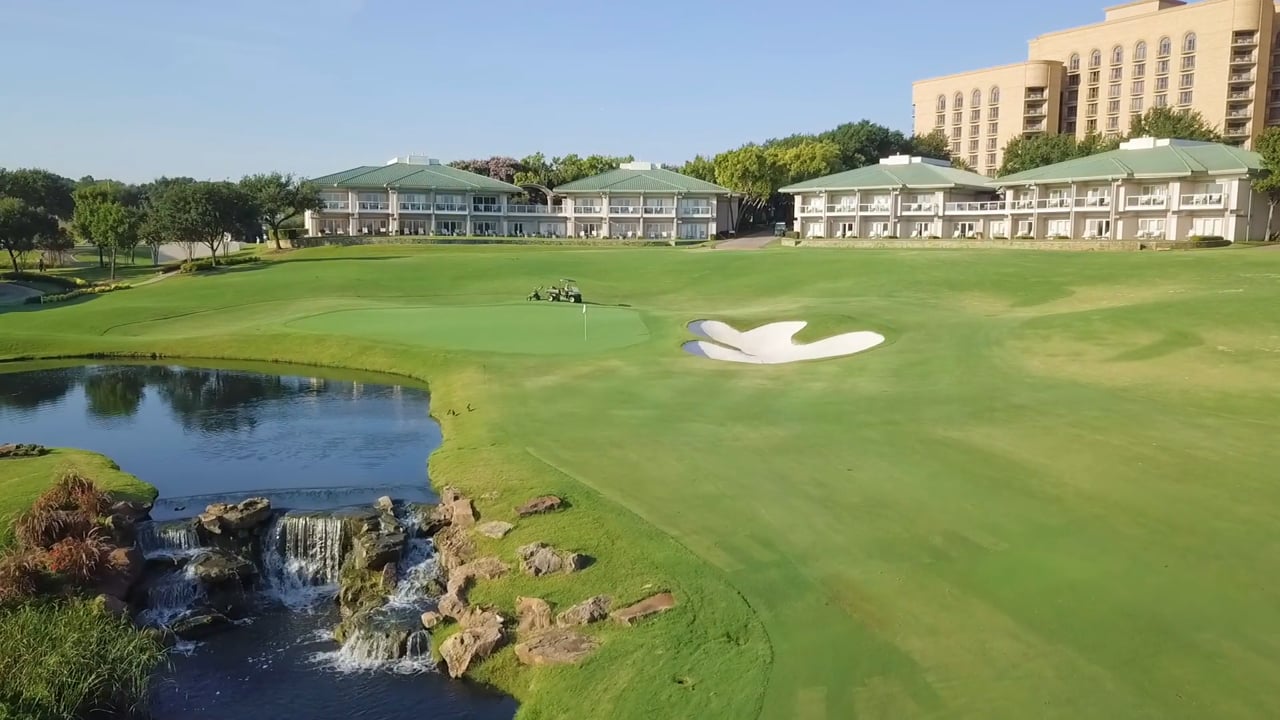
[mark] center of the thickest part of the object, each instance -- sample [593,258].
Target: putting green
[527,328]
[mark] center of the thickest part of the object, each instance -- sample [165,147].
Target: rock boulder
[486,568]
[471,644]
[534,614]
[462,513]
[541,559]
[220,518]
[431,618]
[213,568]
[649,606]
[556,647]
[495,529]
[538,505]
[585,612]
[454,547]
[200,623]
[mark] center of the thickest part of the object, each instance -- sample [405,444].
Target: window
[1091,109]
[1073,65]
[991,144]
[993,128]
[973,130]
[973,146]
[1162,84]
[993,114]
[942,103]
[1189,62]
[1140,70]
[955,147]
[976,100]
[1026,228]
[1115,74]
[1187,80]
[1161,101]
[1113,107]
[1117,55]
[957,117]
[335,200]
[485,203]
[1210,227]
[1097,228]
[1140,51]
[1059,228]
[1162,67]
[1113,123]
[1091,126]
[975,115]
[941,120]
[1070,128]
[991,160]
[973,161]
[958,101]
[1138,88]
[1165,47]
[1073,81]
[1094,77]
[994,96]
[964,229]
[1151,227]
[1095,58]
[1073,96]
[1189,43]
[1093,93]
[1114,90]
[1184,97]
[1135,105]
[334,226]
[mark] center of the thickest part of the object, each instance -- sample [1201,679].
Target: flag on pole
[584,309]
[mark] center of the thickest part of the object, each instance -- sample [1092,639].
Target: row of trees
[42,211]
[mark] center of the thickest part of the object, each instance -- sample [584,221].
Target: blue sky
[137,88]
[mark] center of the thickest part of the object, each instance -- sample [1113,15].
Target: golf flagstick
[584,322]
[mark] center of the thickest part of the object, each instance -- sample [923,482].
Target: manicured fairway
[1053,493]
[533,328]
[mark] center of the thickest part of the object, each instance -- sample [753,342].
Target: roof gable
[1171,159]
[414,176]
[883,176]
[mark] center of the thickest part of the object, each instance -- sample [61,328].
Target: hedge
[1208,241]
[204,264]
[78,292]
[63,281]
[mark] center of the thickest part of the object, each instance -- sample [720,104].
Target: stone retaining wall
[1078,245]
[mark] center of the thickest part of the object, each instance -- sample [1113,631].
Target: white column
[393,206]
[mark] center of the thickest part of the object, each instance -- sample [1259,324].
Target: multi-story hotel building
[1220,58]
[421,196]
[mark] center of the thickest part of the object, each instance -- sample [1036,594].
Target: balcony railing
[874,208]
[1096,202]
[366,205]
[1244,41]
[485,208]
[1242,96]
[528,210]
[1240,77]
[1202,200]
[845,209]
[810,209]
[624,210]
[1033,127]
[659,210]
[451,207]
[415,207]
[1035,95]
[337,205]
[1035,111]
[1243,59]
[975,207]
[586,209]
[1236,131]
[696,210]
[917,207]
[1146,202]
[1024,205]
[1241,113]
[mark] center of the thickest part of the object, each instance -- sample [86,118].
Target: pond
[305,440]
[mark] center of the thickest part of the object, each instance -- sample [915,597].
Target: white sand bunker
[772,344]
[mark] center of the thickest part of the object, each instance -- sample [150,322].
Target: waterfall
[169,597]
[418,573]
[385,641]
[168,539]
[302,557]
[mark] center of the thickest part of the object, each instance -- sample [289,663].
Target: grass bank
[1049,494]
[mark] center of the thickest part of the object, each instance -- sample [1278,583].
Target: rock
[200,623]
[220,518]
[649,606]
[495,529]
[377,550]
[385,504]
[130,510]
[534,614]
[449,494]
[17,450]
[476,617]
[541,559]
[539,505]
[452,605]
[462,513]
[163,636]
[431,618]
[556,647]
[454,547]
[124,570]
[112,605]
[487,568]
[217,567]
[585,612]
[470,645]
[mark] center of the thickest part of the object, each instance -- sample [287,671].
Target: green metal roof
[914,175]
[413,176]
[1169,159]
[656,180]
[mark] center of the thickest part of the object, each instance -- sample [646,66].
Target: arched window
[1117,55]
[977,99]
[942,103]
[1095,58]
[1073,65]
[1189,43]
[1140,51]
[994,98]
[959,101]
[1166,47]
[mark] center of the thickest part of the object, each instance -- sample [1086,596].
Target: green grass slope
[1050,494]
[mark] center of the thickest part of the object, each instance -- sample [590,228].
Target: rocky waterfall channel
[213,573]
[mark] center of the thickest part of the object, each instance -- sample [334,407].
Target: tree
[803,160]
[497,167]
[20,226]
[960,163]
[1029,152]
[1179,124]
[40,189]
[700,167]
[31,203]
[749,170]
[279,198]
[1268,146]
[864,142]
[202,213]
[102,218]
[934,145]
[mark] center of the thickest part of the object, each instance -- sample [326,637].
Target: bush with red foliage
[78,559]
[20,577]
[74,492]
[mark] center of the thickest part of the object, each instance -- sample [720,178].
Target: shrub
[70,659]
[78,559]
[20,577]
[72,295]
[204,264]
[42,528]
[1208,241]
[75,492]
[63,281]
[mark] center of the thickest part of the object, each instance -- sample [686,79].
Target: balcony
[485,208]
[624,210]
[1096,202]
[659,210]
[1240,78]
[1202,200]
[809,210]
[1035,110]
[696,210]
[586,209]
[1035,95]
[337,205]
[1244,95]
[917,208]
[528,210]
[1023,205]
[415,207]
[1033,127]
[842,209]
[1236,131]
[1246,59]
[1146,202]
[1244,41]
[975,207]
[1243,113]
[873,209]
[451,207]
[1054,203]
[366,205]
